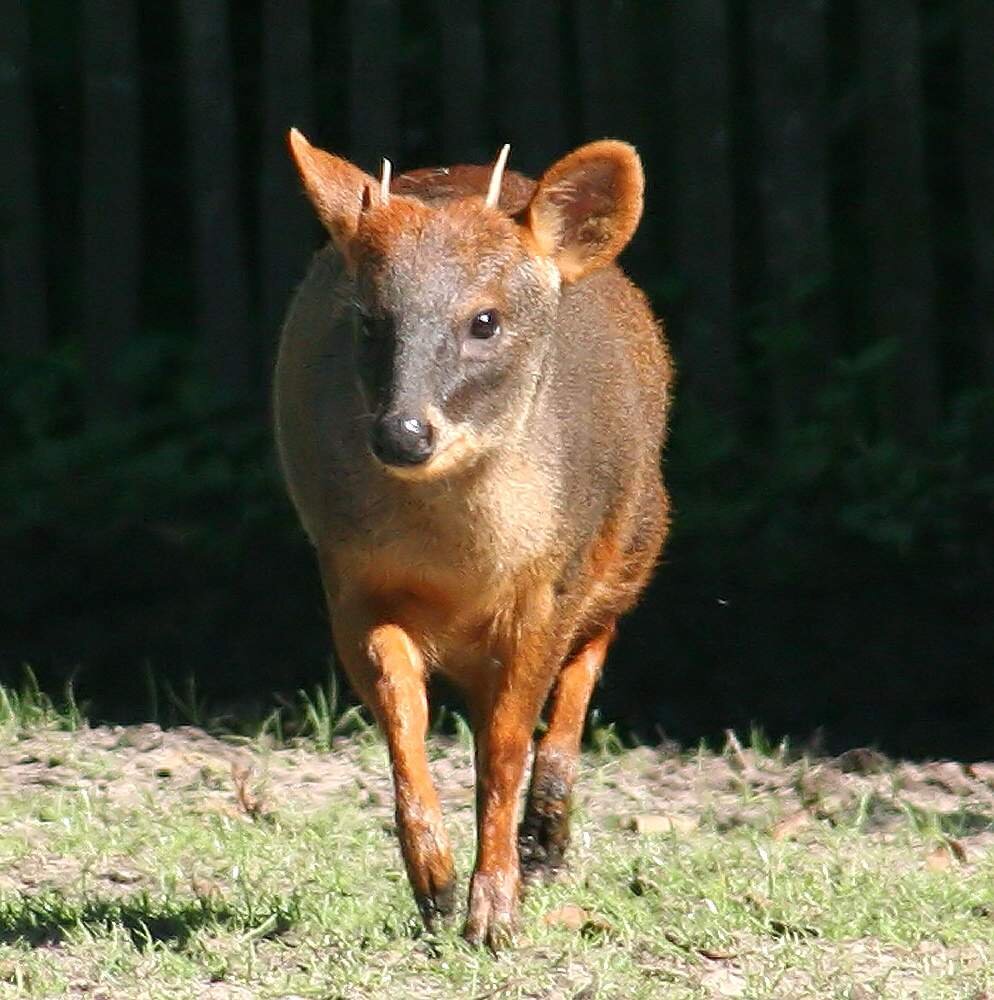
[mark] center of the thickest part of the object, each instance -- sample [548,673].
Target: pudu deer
[470,402]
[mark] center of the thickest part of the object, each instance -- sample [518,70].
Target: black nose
[399,439]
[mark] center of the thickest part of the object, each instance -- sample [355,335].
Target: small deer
[470,407]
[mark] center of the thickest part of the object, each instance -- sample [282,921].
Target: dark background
[819,235]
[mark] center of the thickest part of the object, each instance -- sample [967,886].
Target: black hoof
[437,908]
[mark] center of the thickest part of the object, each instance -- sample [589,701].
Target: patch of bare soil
[741,787]
[645,788]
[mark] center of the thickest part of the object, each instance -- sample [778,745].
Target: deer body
[470,407]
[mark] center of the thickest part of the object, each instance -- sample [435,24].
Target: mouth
[456,451]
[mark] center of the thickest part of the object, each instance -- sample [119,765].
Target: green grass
[28,706]
[120,883]
[320,908]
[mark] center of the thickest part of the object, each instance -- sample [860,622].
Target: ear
[586,207]
[338,190]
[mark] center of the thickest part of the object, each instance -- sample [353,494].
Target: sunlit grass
[163,894]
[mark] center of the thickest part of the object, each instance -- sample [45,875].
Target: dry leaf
[959,851]
[981,771]
[576,918]
[941,858]
[251,803]
[790,826]
[716,956]
[645,823]
[570,916]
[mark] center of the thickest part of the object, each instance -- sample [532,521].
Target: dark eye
[484,325]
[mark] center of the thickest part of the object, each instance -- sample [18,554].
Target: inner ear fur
[587,206]
[337,189]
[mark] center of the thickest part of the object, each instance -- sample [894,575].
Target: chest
[452,564]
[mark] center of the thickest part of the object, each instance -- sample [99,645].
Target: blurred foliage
[186,465]
[816,577]
[822,563]
[196,470]
[841,479]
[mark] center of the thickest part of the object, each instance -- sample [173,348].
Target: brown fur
[504,561]
[586,232]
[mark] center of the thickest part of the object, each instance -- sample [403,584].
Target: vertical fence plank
[978,146]
[602,104]
[374,91]
[609,47]
[111,190]
[219,255]
[287,231]
[702,227]
[788,47]
[24,316]
[612,38]
[902,279]
[528,71]
[463,63]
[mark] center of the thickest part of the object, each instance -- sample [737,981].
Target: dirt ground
[646,789]
[731,789]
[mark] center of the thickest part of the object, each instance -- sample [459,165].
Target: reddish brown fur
[593,227]
[504,561]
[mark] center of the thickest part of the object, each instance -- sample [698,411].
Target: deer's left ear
[587,206]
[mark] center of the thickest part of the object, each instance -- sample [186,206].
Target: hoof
[540,863]
[437,907]
[493,901]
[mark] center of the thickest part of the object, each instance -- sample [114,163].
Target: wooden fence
[821,173]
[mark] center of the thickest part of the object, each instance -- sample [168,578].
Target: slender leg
[503,736]
[544,833]
[387,670]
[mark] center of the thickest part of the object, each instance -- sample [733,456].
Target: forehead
[410,254]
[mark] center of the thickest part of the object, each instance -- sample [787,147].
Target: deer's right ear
[338,190]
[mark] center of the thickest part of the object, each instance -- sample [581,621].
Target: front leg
[505,722]
[544,834]
[388,672]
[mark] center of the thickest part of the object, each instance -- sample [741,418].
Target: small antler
[493,192]
[385,182]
